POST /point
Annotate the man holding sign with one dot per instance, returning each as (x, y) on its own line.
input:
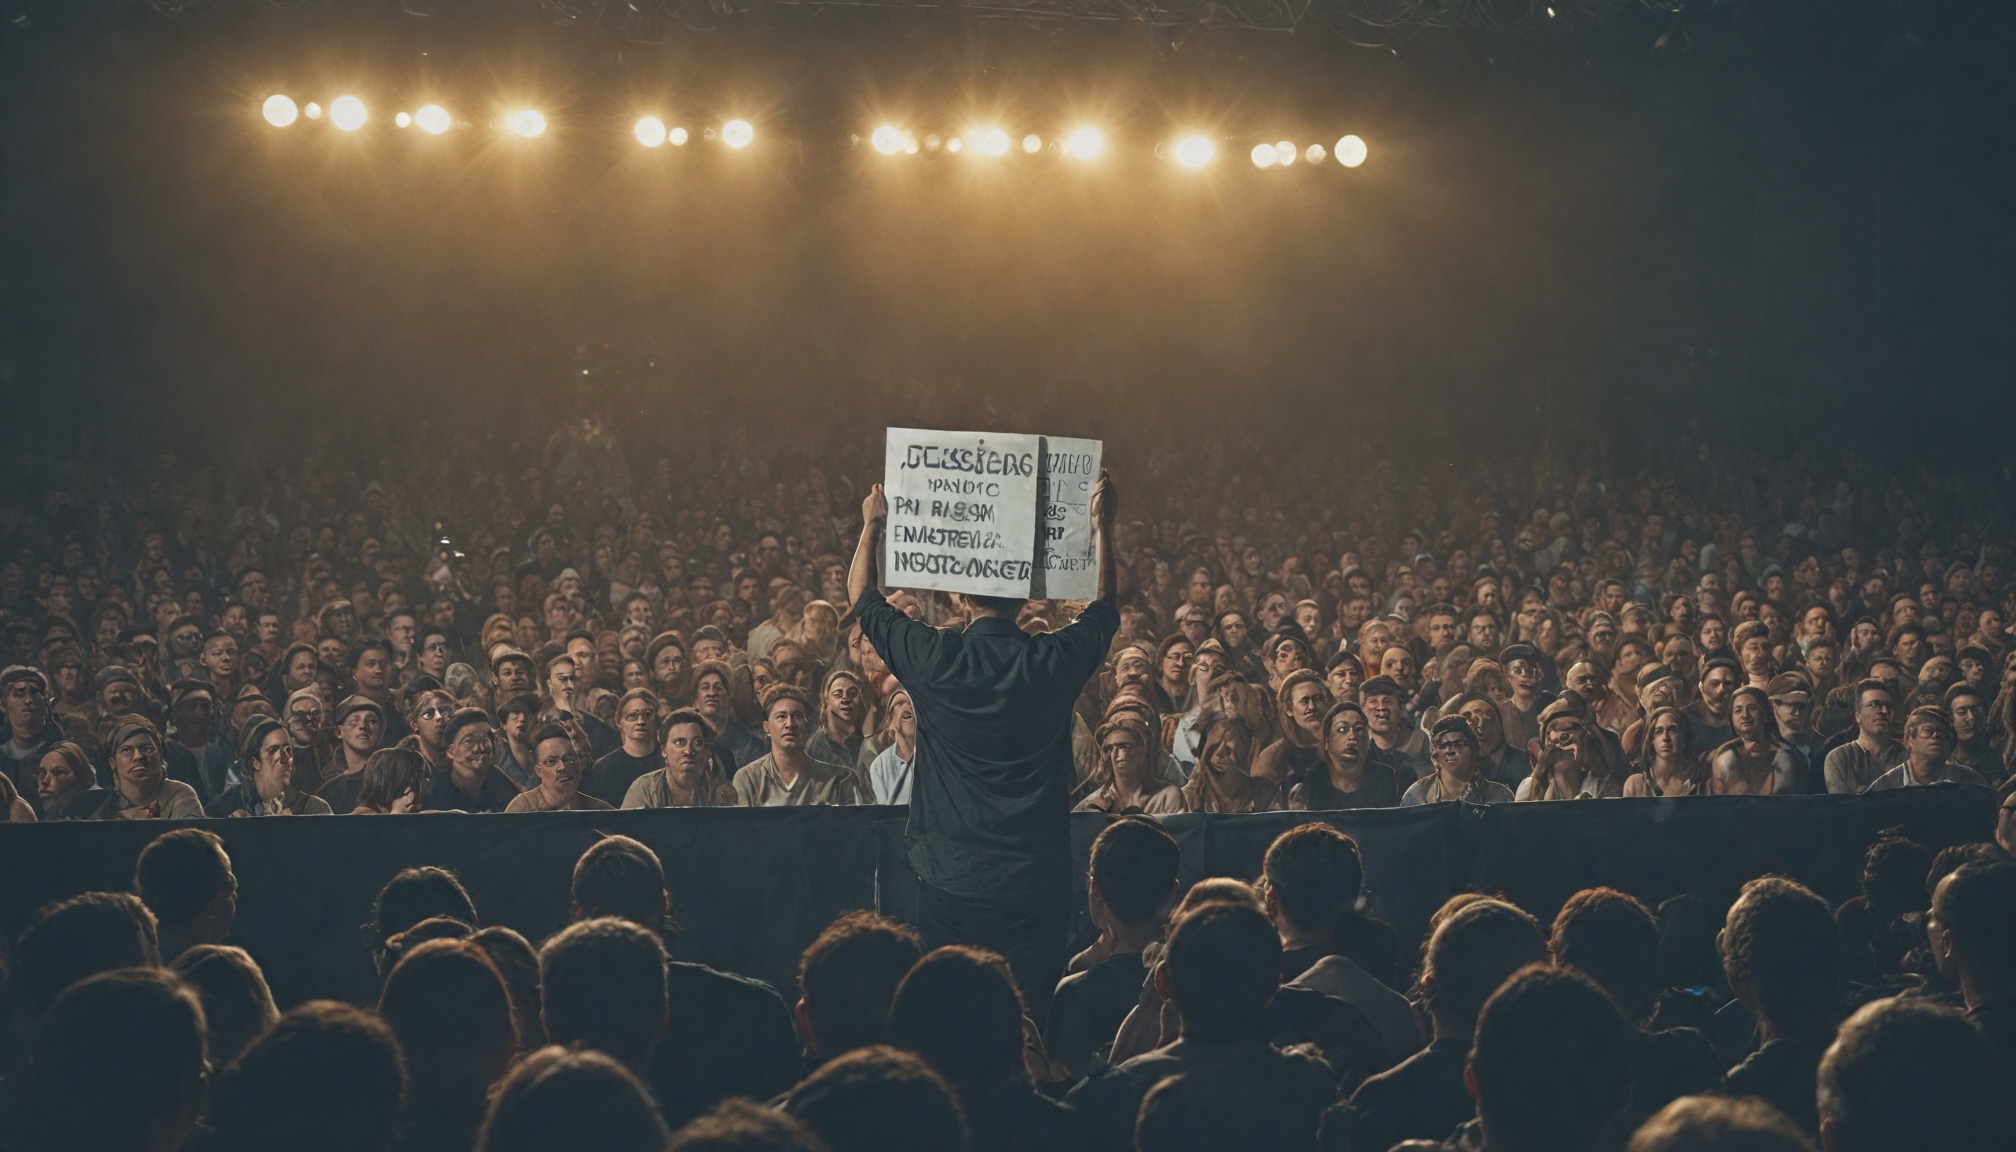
(989, 835)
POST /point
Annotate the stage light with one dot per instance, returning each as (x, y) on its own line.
(678, 137)
(1194, 151)
(650, 131)
(1084, 144)
(433, 120)
(910, 145)
(991, 142)
(737, 133)
(1284, 153)
(347, 113)
(887, 140)
(1350, 151)
(954, 144)
(403, 119)
(526, 122)
(313, 111)
(1315, 153)
(1032, 143)
(932, 143)
(1264, 156)
(279, 110)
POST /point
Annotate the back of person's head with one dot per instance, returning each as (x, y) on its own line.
(1912, 1076)
(1213, 1109)
(878, 1098)
(80, 937)
(417, 894)
(1223, 966)
(1780, 954)
(1976, 909)
(604, 988)
(1470, 955)
(432, 928)
(447, 1004)
(1688, 924)
(1315, 875)
(619, 876)
(117, 1064)
(959, 1009)
(518, 963)
(741, 1125)
(326, 1078)
(1134, 864)
(1611, 938)
(848, 976)
(1719, 1124)
(560, 1100)
(1893, 877)
(1551, 1062)
(182, 875)
(237, 1004)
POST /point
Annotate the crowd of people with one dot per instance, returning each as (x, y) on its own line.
(1272, 1016)
(302, 633)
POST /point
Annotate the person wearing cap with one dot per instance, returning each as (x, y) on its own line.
(1453, 747)
(471, 781)
(360, 731)
(141, 789)
(1976, 665)
(31, 727)
(710, 643)
(1855, 765)
(511, 675)
(1791, 696)
(1928, 739)
(266, 762)
(1395, 741)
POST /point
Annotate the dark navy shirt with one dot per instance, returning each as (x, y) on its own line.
(989, 809)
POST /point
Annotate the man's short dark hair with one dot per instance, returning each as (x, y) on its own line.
(180, 874)
(1135, 862)
(619, 876)
(1872, 684)
(1470, 955)
(679, 716)
(1780, 953)
(237, 1004)
(776, 692)
(958, 1008)
(524, 702)
(604, 983)
(1213, 1108)
(557, 1098)
(1613, 939)
(118, 1057)
(550, 730)
(878, 1098)
(1552, 1059)
(448, 1005)
(1976, 906)
(1908, 1075)
(997, 605)
(327, 1076)
(80, 937)
(1223, 964)
(1315, 874)
(1719, 1124)
(416, 894)
(358, 649)
(741, 1125)
(848, 976)
(463, 718)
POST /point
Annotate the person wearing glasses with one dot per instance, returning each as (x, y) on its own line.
(266, 784)
(1452, 750)
(472, 782)
(1854, 766)
(558, 763)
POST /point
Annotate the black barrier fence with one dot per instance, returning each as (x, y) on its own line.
(753, 887)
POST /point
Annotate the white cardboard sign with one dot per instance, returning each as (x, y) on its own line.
(1067, 557)
(962, 511)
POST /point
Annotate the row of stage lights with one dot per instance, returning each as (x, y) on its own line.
(348, 114)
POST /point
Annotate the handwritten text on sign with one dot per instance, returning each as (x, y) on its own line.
(962, 511)
(1067, 558)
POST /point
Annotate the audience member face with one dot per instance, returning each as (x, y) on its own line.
(433, 657)
(558, 767)
(1349, 739)
(430, 720)
(57, 780)
(1667, 739)
(1872, 713)
(361, 732)
(1225, 752)
(1746, 717)
(1453, 756)
(1125, 758)
(785, 725)
(688, 757)
(514, 677)
(669, 665)
(1928, 742)
(1969, 714)
(561, 680)
(1794, 716)
(1483, 718)
(471, 750)
(1585, 681)
(272, 773)
(138, 766)
(1306, 705)
(844, 703)
(903, 713)
(26, 707)
(1716, 685)
(373, 670)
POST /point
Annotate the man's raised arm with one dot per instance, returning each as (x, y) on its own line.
(1105, 500)
(861, 573)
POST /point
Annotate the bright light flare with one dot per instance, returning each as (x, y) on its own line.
(1084, 144)
(403, 119)
(737, 133)
(678, 137)
(433, 120)
(313, 111)
(1350, 151)
(887, 140)
(650, 132)
(279, 110)
(1284, 153)
(1315, 153)
(1264, 156)
(1032, 143)
(1195, 151)
(347, 113)
(991, 142)
(526, 122)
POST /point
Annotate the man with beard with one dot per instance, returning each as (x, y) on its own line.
(1792, 709)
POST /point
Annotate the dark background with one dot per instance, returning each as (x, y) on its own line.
(1778, 217)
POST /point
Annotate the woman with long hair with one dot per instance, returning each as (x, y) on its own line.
(1299, 704)
(395, 783)
(1221, 782)
(1128, 777)
(669, 666)
(1171, 676)
(819, 631)
(1668, 765)
(1755, 762)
